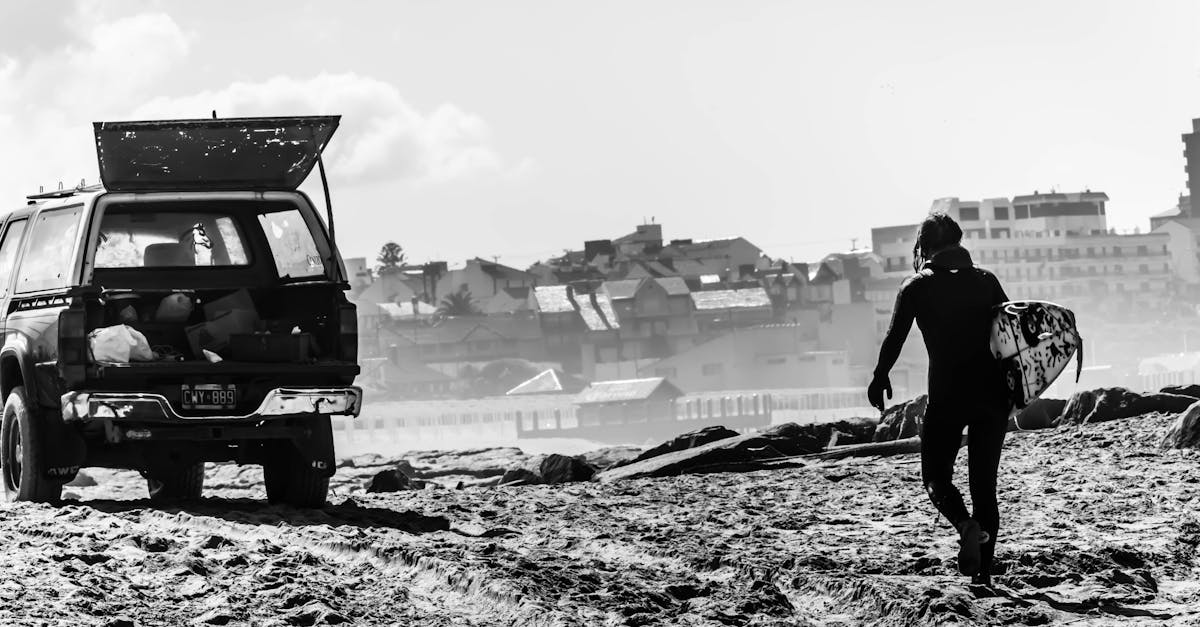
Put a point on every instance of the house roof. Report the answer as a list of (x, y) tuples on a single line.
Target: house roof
[(499, 270), (553, 299), (405, 310), (747, 298), (620, 290), (675, 286), (652, 268), (604, 305), (549, 382), (1169, 213), (596, 311), (625, 391)]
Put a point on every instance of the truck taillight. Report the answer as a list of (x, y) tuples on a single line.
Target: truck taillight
[(72, 344), (348, 332)]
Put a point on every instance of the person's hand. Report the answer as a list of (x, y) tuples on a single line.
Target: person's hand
[(875, 390)]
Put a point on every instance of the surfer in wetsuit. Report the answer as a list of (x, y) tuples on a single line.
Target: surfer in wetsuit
[(951, 299)]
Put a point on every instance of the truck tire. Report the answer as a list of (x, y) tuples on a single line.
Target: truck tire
[(292, 479), (175, 483), (22, 438)]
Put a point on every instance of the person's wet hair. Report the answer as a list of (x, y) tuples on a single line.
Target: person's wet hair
[(936, 232)]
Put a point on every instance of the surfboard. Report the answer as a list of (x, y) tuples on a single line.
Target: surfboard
[(1036, 341)]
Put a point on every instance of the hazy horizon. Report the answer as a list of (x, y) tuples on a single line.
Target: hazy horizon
[(523, 129)]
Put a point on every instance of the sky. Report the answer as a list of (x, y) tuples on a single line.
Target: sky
[(515, 130)]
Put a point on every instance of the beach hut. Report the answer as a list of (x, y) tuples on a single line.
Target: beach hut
[(630, 401)]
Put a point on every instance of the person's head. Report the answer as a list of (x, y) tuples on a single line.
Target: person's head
[(937, 233)]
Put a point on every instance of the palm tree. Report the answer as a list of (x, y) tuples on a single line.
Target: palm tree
[(458, 304)]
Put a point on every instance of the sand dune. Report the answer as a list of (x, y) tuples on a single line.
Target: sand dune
[(1100, 527)]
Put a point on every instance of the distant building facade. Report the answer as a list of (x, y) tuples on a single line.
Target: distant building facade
[(1054, 246), (782, 355)]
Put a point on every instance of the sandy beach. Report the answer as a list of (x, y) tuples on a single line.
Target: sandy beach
[(1100, 528)]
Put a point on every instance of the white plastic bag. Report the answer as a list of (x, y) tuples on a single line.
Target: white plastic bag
[(120, 344)]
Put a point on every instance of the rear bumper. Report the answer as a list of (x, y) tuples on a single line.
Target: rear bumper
[(84, 406)]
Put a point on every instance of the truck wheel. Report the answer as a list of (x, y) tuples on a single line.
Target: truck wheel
[(176, 483), (22, 437), (291, 479)]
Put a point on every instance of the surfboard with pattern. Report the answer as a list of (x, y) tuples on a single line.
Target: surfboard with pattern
[(1036, 341)]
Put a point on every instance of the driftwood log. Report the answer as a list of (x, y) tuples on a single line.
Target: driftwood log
[(870, 449)]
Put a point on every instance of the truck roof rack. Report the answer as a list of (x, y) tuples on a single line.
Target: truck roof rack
[(64, 193)]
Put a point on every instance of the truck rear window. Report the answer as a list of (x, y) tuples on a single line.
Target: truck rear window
[(149, 239), (292, 244)]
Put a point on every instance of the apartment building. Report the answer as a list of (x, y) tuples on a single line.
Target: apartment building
[(1053, 246)]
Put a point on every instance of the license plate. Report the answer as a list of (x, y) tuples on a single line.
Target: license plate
[(209, 396)]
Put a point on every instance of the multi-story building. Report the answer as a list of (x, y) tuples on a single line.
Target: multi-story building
[(1052, 246)]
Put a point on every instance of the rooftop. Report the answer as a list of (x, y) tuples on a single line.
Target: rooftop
[(553, 299), (675, 286), (549, 382), (748, 298), (623, 289), (625, 391)]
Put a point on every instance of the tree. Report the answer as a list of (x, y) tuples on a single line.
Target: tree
[(390, 258), (458, 304)]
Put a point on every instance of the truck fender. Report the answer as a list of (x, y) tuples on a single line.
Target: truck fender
[(64, 449)]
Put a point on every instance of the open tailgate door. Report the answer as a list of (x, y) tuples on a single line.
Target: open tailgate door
[(211, 155)]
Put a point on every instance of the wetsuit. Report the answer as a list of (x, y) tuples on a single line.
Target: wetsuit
[(952, 301)]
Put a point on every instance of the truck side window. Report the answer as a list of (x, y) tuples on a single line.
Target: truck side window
[(8, 253), (47, 261)]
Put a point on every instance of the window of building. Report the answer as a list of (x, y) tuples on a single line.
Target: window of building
[(1021, 211), (1143, 269), (968, 214), (52, 239), (1001, 213), (776, 361), (1145, 286), (1116, 251), (1142, 250), (709, 370)]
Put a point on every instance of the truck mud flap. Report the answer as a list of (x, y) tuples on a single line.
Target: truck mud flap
[(63, 451), (316, 450)]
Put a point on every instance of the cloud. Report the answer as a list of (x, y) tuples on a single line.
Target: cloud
[(381, 138), (48, 101), (114, 68)]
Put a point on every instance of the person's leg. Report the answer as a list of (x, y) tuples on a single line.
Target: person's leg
[(941, 436), (985, 439)]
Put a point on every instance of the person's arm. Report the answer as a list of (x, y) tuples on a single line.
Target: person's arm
[(999, 296), (901, 324)]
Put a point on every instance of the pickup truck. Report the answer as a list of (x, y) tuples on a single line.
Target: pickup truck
[(199, 257)]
